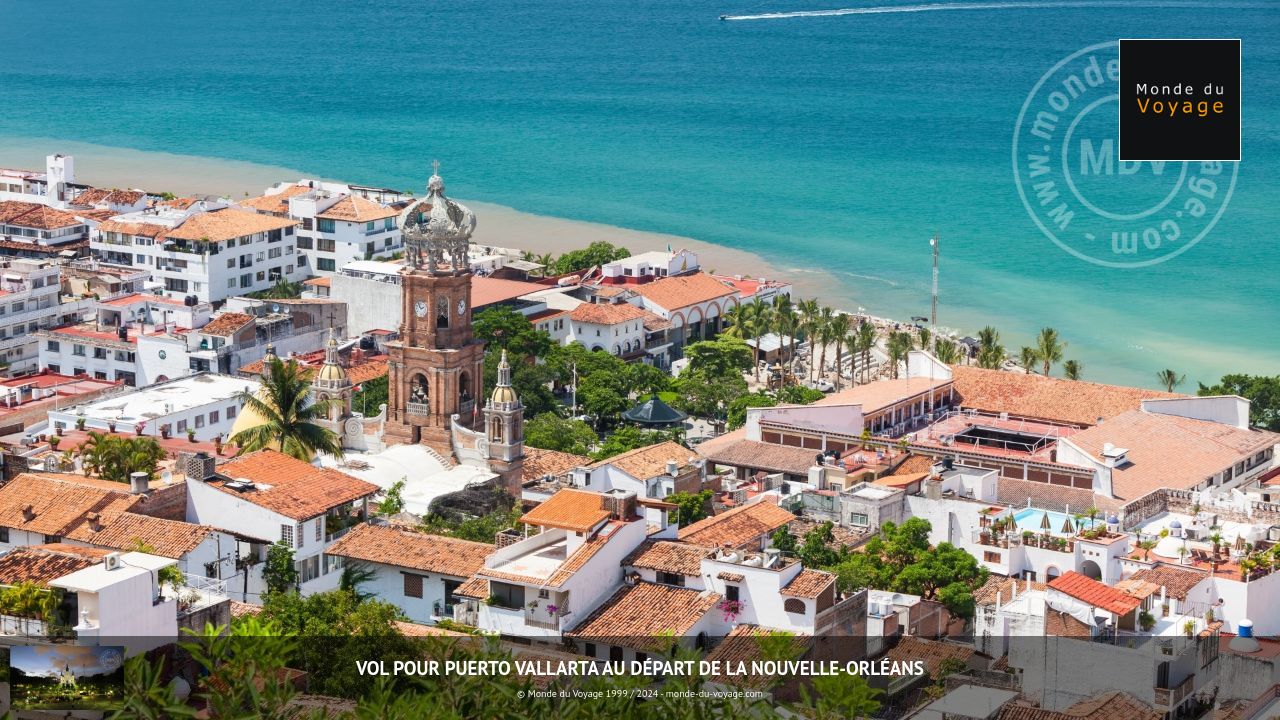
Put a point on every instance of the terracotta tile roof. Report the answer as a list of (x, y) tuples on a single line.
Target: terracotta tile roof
[(650, 460), (637, 615), (226, 224), (932, 653), (319, 282), (98, 196), (741, 646), (1087, 590), (673, 293), (180, 203), (757, 455), (239, 609), (668, 556), (1003, 586), (738, 526), (40, 565), (35, 215), (569, 509), (539, 463), (731, 577), (291, 487), (654, 322), (901, 481), (915, 464), (354, 208), (602, 314), (124, 530), (368, 367), (226, 324), (1137, 587), (1177, 581), (1046, 398), (546, 315), (142, 229), (809, 583), (476, 587), (1048, 496), (881, 394), (141, 298), (413, 550), (40, 504), (490, 290), (275, 203), (1167, 451), (1115, 705)]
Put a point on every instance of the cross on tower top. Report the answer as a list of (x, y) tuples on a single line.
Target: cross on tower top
[(435, 167)]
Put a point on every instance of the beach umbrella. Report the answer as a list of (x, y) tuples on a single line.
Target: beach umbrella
[(1067, 527), (1044, 522)]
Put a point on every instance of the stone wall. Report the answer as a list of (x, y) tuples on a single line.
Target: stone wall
[(168, 502)]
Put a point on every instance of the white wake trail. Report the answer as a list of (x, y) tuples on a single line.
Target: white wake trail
[(933, 7)]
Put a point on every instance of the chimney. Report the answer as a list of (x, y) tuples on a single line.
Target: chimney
[(621, 503), (933, 488), (95, 521), (673, 468), (28, 513), (138, 483)]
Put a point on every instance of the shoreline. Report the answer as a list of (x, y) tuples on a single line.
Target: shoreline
[(507, 227)]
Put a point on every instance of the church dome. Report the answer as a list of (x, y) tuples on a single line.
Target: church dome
[(503, 393), (332, 372), (437, 229)]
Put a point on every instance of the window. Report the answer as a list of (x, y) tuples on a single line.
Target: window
[(53, 346), (199, 421), (859, 519), (615, 654), (275, 252), (368, 227), (309, 569), (731, 592), (667, 578), (544, 594), (214, 416), (327, 264), (246, 280), (324, 225), (274, 236), (306, 224), (4, 534), (99, 375), (231, 412), (77, 350), (319, 528), (231, 262), (389, 224), (304, 242), (991, 557), (18, 307), (506, 595), (794, 605), (412, 585), (589, 649), (286, 532), (54, 368), (52, 539), (231, 282), (182, 426), (324, 245)]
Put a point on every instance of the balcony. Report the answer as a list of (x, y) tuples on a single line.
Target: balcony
[(415, 408), (1173, 697), (466, 407)]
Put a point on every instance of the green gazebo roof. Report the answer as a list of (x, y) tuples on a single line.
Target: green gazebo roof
[(654, 412)]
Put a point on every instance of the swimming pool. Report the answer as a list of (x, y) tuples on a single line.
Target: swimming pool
[(1033, 519)]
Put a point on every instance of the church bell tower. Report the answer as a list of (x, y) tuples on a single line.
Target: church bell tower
[(436, 367)]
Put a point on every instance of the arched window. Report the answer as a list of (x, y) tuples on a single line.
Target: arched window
[(419, 390), (794, 605), (495, 429), (442, 312), (464, 387)]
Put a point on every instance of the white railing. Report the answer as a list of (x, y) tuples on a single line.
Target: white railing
[(414, 408)]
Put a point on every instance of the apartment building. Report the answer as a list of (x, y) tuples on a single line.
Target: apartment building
[(338, 225), (31, 301), (205, 251)]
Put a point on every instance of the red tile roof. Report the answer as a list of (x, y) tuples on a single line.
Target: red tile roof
[(42, 564), (809, 583), (1115, 705), (638, 616), (125, 530), (569, 509), (1087, 590), (277, 202), (1177, 581), (1046, 398), (413, 550), (490, 290), (291, 487), (539, 463), (606, 314), (651, 460), (933, 653), (354, 208), (673, 293), (35, 215), (226, 224), (41, 504), (737, 527), (226, 324), (668, 556)]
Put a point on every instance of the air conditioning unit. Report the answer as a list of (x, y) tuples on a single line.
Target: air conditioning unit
[(112, 561)]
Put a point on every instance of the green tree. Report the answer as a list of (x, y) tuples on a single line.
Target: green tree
[(817, 550), (279, 572), (736, 414), (290, 419), (786, 322), (355, 574), (371, 396), (1262, 391), (839, 697), (692, 507), (596, 254), (530, 379), (1071, 369), (644, 379), (798, 395), (1028, 358), (723, 357), (864, 343), (1049, 347), (549, 431), (116, 457), (783, 541), (628, 437), (1169, 379), (393, 501), (900, 344), (751, 321), (282, 290), (478, 529), (706, 395), (990, 352), (947, 351), (503, 328)]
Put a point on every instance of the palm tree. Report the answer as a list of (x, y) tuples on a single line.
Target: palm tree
[(289, 421), (824, 331), (865, 342), (1050, 347), (787, 323), (947, 352), (900, 343), (1170, 379), (990, 351), (1028, 358), (1146, 546), (1071, 369), (546, 260), (809, 311), (838, 333), (751, 321)]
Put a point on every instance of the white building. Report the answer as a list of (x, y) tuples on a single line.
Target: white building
[(615, 328), (267, 497), (205, 405), (416, 572), (30, 228), (338, 226), (204, 250), (31, 301)]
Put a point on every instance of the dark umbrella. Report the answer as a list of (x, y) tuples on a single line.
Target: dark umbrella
[(654, 412)]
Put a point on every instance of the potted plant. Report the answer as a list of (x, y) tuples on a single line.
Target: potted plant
[(191, 435), (138, 428), (1028, 536), (58, 429), (731, 609), (53, 442), (1189, 627), (217, 443), (165, 430), (80, 423), (1208, 616), (111, 426), (553, 610), (532, 605), (1146, 621), (1164, 610)]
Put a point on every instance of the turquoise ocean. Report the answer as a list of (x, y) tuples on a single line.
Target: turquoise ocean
[(833, 145)]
